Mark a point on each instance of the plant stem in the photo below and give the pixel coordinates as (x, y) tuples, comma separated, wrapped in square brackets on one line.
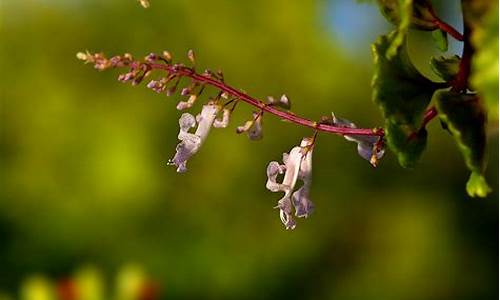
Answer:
[(448, 29), (180, 70), (430, 114)]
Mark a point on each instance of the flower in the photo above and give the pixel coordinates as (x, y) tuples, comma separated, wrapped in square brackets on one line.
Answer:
[(297, 165), (253, 128), (191, 142), (224, 121), (368, 147)]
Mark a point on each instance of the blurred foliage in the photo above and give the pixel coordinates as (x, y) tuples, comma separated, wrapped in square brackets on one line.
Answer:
[(83, 175)]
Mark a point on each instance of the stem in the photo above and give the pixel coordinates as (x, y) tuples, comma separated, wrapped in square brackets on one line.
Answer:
[(446, 27), (430, 114), (188, 72)]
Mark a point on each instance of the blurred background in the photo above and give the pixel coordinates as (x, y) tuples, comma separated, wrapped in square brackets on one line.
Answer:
[(89, 210)]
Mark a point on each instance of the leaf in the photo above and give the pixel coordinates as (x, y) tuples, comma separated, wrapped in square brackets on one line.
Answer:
[(417, 13), (440, 37), (399, 13), (446, 67), (402, 94), (466, 120), (477, 186), (485, 63)]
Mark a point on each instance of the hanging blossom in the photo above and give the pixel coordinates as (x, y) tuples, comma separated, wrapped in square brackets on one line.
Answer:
[(191, 142), (296, 165), (253, 128), (368, 145)]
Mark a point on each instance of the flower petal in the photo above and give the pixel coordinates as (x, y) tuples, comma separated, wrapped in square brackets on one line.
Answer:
[(303, 206), (366, 143), (285, 207), (224, 121), (273, 170), (190, 143), (255, 132)]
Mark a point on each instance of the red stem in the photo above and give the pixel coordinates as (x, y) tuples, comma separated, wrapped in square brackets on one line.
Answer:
[(430, 114), (448, 29), (188, 72)]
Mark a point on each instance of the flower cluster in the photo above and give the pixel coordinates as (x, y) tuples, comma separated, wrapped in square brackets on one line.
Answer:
[(296, 165), (216, 112)]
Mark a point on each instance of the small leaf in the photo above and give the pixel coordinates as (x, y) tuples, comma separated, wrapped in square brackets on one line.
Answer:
[(477, 186), (440, 37), (446, 67), (466, 120), (402, 94)]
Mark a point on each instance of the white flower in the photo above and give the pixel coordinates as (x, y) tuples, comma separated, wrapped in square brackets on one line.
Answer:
[(224, 121), (297, 165), (253, 128), (366, 143), (191, 142), (182, 105)]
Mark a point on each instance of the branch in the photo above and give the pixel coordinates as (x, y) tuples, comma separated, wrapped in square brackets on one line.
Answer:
[(179, 70), (446, 27)]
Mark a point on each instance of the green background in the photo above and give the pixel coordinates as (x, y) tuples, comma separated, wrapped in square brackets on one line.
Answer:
[(84, 180)]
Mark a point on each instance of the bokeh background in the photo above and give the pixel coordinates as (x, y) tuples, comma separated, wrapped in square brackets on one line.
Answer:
[(88, 205)]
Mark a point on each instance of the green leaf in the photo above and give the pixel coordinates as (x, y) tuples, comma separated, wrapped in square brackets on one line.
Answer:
[(402, 94), (485, 63), (403, 13), (466, 120), (441, 39), (477, 186), (446, 67)]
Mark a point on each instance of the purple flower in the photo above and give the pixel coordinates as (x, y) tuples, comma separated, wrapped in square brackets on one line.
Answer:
[(367, 144), (296, 165), (191, 142)]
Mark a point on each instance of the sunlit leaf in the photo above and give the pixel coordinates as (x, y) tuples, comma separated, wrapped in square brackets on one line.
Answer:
[(440, 38), (466, 120), (403, 94)]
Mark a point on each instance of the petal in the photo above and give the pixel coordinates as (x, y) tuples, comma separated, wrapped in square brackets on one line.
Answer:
[(190, 143), (222, 123), (183, 152), (206, 119), (285, 207), (253, 128), (255, 132), (365, 143), (303, 206), (187, 104), (287, 220), (273, 170)]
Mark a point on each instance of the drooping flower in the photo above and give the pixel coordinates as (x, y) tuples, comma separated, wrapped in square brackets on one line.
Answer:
[(367, 144), (283, 102), (296, 165), (224, 121), (191, 142), (253, 128)]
